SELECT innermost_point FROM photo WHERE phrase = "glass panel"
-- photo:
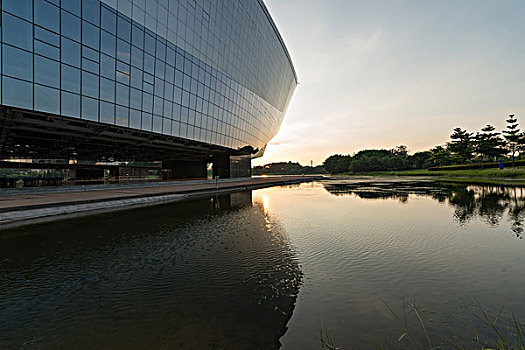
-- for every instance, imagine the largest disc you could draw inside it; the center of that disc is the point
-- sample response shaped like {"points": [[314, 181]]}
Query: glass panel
{"points": [[109, 20], [17, 32], [147, 103], [89, 109], [122, 94], [47, 50], [137, 57], [158, 106], [47, 99], [72, 6], [70, 79], [107, 67], [47, 72], [123, 29], [123, 51], [17, 63], [47, 15], [107, 90], [91, 11], [157, 124], [138, 37], [107, 112], [70, 105], [146, 121], [47, 36], [135, 99], [90, 35], [70, 52], [89, 85], [108, 44], [70, 25], [22, 8], [135, 119], [121, 116], [17, 93]]}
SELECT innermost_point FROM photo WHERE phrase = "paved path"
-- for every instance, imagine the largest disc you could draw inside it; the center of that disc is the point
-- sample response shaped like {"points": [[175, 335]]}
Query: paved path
{"points": [[34, 205]]}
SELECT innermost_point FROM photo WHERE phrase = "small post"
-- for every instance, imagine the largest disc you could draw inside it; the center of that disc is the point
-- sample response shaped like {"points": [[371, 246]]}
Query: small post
{"points": [[216, 183]]}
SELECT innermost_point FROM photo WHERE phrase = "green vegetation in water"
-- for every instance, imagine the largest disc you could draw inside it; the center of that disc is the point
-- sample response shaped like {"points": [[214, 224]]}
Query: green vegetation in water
{"points": [[506, 334]]}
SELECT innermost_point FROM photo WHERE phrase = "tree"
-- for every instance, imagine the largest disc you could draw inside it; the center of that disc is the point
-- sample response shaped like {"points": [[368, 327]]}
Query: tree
{"points": [[440, 155], [489, 143], [512, 135], [421, 160], [400, 151], [337, 164], [461, 145]]}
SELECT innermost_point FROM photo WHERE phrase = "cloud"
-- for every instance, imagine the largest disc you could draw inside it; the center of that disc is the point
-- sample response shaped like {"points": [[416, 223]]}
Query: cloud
{"points": [[362, 42]]}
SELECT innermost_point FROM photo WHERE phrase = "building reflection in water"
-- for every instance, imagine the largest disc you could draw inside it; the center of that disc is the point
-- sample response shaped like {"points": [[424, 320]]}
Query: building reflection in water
{"points": [[215, 273], [492, 203]]}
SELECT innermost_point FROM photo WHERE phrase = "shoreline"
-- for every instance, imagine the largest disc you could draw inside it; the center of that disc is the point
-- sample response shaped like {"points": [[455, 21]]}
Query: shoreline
{"points": [[26, 208]]}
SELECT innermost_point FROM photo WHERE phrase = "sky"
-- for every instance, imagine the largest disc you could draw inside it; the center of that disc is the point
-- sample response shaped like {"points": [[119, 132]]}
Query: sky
{"points": [[377, 74]]}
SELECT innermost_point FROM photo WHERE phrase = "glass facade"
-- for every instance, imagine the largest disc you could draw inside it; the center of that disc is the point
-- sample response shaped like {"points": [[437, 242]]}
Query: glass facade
{"points": [[211, 71]]}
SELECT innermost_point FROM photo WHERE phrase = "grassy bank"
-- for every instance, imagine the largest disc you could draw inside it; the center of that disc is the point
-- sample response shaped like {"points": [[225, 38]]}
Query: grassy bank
{"points": [[510, 175]]}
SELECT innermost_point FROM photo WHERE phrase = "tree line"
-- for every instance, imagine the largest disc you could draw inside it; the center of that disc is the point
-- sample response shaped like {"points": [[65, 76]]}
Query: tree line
{"points": [[464, 147], [287, 168]]}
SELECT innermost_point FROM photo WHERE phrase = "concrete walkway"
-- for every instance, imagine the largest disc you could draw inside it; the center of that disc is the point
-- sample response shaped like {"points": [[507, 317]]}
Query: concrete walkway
{"points": [[20, 207]]}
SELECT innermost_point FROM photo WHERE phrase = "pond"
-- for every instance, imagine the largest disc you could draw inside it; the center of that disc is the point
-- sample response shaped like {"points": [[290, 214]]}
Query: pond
{"points": [[283, 267]]}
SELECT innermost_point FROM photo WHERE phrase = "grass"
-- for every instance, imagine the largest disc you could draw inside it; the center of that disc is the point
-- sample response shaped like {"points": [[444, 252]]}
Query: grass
{"points": [[509, 175], [507, 334]]}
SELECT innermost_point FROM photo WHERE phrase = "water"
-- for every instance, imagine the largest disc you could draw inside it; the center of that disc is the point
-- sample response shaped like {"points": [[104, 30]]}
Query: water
{"points": [[271, 269]]}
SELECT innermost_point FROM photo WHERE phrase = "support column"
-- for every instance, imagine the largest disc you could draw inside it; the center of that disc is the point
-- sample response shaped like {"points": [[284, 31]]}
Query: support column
{"points": [[221, 166]]}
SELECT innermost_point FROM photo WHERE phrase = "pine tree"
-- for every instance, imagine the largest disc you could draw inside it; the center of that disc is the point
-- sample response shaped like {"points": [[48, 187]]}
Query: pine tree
{"points": [[462, 144], [512, 135], [489, 143]]}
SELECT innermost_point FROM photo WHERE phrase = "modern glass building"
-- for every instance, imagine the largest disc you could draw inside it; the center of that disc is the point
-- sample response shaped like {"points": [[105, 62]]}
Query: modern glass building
{"points": [[186, 82]]}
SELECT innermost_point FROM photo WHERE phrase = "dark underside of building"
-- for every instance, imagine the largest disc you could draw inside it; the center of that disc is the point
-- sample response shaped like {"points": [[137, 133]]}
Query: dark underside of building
{"points": [[53, 141]]}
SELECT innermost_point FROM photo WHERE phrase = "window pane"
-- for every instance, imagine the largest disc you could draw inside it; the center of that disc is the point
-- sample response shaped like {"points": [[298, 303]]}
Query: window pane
{"points": [[107, 90], [107, 112], [157, 124], [123, 29], [70, 79], [121, 116], [107, 67], [46, 72], [136, 99], [72, 6], [22, 8], [146, 121], [17, 63], [47, 50], [135, 119], [46, 15], [70, 105], [137, 57], [122, 95], [108, 44], [46, 99], [123, 51], [17, 32], [17, 93], [91, 11], [47, 36], [138, 37], [109, 20], [70, 26], [90, 35], [89, 84], [70, 52], [89, 109]]}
